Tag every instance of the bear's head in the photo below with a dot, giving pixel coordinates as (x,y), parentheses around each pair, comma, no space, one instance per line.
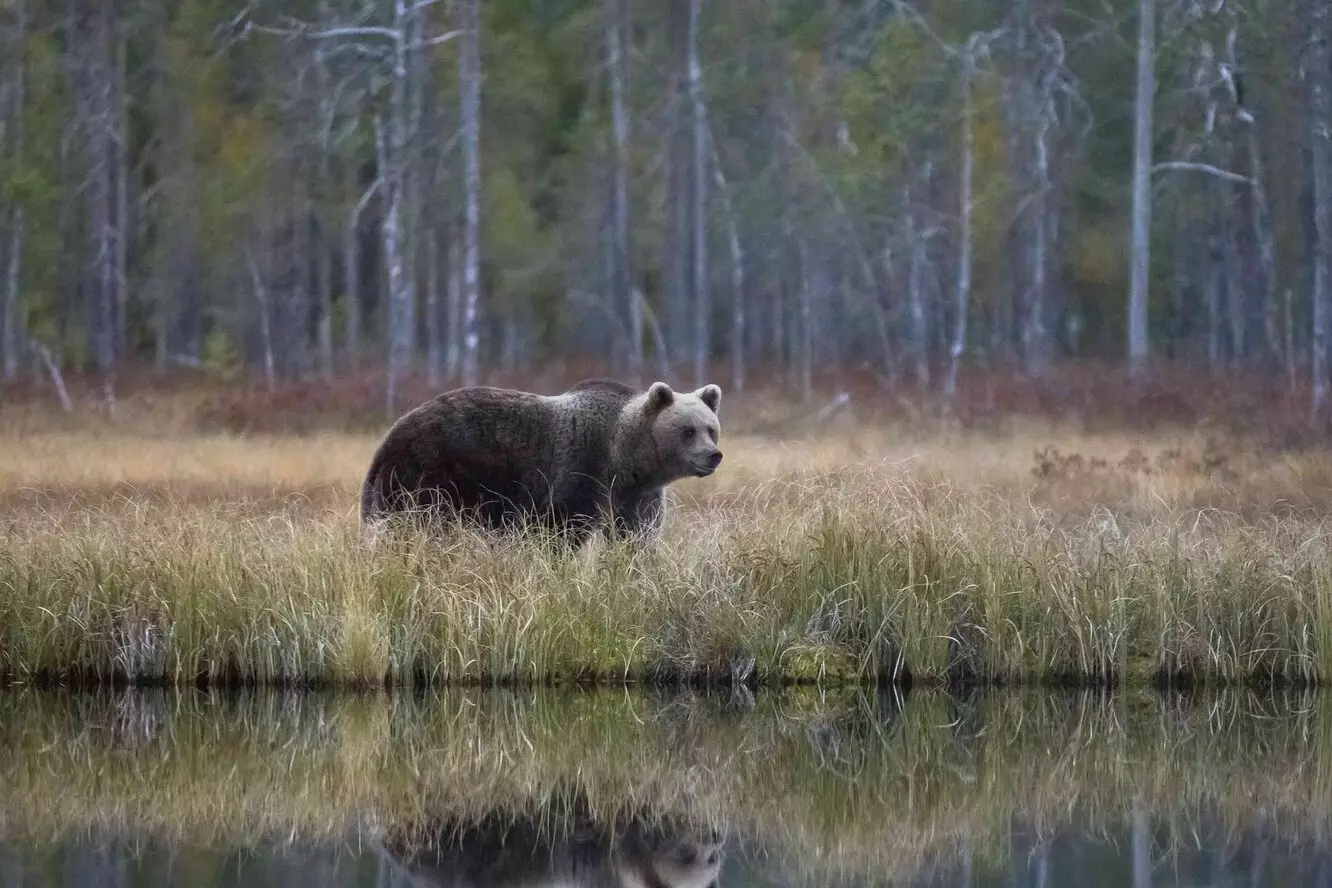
(683,428)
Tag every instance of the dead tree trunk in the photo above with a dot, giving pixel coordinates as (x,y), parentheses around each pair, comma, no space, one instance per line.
(1318,77)
(1032,117)
(351,271)
(699,224)
(391,138)
(622,280)
(737,270)
(121,171)
(434,356)
(399,288)
(13,275)
(322,242)
(9,314)
(265,316)
(915,250)
(470,75)
(962,291)
(453,311)
(1140,258)
(94,28)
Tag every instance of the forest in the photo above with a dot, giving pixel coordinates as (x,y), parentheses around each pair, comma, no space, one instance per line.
(777,190)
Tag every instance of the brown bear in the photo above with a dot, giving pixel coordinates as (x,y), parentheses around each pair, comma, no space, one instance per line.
(596,457)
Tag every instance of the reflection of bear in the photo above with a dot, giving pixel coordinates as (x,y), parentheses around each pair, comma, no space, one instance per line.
(499,853)
(597,456)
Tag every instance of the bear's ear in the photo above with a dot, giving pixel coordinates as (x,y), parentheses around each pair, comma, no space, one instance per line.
(711,395)
(659,396)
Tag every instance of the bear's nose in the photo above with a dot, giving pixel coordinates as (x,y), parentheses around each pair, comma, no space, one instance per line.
(715,459)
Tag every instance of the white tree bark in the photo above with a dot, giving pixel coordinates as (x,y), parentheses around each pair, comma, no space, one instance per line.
(453,311)
(699,201)
(94,35)
(622,272)
(915,248)
(13,275)
(391,137)
(324,244)
(470,75)
(9,315)
(434,354)
(962,291)
(1032,116)
(1140,257)
(265,316)
(737,269)
(1319,85)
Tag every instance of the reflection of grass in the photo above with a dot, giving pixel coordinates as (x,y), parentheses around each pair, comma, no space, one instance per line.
(852,556)
(839,781)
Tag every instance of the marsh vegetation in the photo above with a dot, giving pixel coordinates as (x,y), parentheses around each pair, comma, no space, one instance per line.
(838,550)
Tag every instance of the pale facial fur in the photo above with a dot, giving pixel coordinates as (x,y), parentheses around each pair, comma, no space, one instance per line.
(687,864)
(685,429)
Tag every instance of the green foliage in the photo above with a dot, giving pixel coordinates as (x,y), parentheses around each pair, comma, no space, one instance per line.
(227,130)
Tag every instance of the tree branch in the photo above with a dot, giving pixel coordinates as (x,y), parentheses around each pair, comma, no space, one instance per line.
(362,31)
(1186,166)
(442,38)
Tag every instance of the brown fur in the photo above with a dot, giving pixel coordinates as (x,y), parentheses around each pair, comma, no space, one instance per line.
(569,463)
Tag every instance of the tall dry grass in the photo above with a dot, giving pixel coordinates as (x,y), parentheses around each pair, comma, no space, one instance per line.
(848,552)
(830,784)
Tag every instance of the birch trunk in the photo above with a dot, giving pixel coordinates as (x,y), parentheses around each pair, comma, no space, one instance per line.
(622,270)
(962,291)
(1031,113)
(434,358)
(121,231)
(1318,74)
(1260,219)
(1236,307)
(1140,260)
(805,345)
(916,295)
(265,316)
(699,202)
(454,310)
(96,77)
(392,147)
(9,315)
(13,275)
(398,287)
(1213,281)
(470,74)
(737,269)
(351,272)
(323,243)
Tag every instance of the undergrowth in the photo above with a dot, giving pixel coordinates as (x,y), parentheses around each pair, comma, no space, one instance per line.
(850,575)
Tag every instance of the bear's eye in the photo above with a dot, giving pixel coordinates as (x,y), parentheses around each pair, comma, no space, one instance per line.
(689,433)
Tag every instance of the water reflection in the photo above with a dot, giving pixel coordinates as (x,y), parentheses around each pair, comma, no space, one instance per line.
(595,790)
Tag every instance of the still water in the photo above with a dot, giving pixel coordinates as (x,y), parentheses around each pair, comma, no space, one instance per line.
(646,790)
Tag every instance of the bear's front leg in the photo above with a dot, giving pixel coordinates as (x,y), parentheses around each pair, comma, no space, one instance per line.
(639,521)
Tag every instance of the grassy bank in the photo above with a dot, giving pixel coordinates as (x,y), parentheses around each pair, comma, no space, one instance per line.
(858,553)
(829,784)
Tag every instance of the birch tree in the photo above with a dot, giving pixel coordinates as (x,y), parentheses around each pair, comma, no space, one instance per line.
(1038,62)
(699,203)
(12,156)
(469,71)
(1318,79)
(95,32)
(1140,258)
(623,287)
